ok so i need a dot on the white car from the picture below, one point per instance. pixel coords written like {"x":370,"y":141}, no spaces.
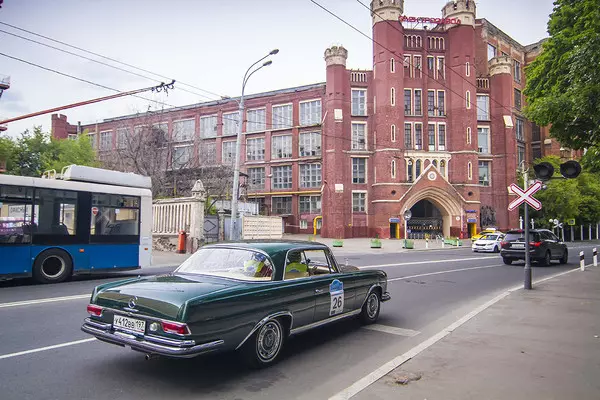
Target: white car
{"x":488,"y":243}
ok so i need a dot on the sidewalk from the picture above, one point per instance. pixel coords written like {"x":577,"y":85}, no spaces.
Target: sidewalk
{"x":537,"y":344}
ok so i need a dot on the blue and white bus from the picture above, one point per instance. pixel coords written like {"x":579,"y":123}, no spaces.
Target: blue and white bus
{"x":83,"y":220}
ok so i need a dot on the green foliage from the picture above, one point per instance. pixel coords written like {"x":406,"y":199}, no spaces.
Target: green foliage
{"x":67,"y":152}
{"x":591,"y":159}
{"x":563,"y":83}
{"x":7,"y":149}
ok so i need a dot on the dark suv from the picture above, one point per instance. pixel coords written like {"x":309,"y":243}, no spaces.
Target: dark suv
{"x":543,"y":246}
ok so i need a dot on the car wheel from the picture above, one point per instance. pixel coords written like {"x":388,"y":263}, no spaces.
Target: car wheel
{"x":546,"y":260}
{"x":496,"y":249}
{"x":52,"y":266}
{"x":265,"y":345}
{"x":371,"y":308}
{"x":565,"y":257}
{"x":507,"y":261}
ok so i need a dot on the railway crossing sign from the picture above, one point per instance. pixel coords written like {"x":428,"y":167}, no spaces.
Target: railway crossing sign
{"x":525,"y":196}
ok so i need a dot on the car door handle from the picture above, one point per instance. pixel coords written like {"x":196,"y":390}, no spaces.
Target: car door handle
{"x":319,"y":290}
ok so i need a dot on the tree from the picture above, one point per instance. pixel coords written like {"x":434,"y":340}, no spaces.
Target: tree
{"x":7,"y":149}
{"x":563,"y":82}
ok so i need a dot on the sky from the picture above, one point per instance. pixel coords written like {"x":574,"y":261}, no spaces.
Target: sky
{"x":208,"y":44}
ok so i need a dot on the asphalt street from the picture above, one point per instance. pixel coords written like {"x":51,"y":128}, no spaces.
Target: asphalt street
{"x":44,"y":355}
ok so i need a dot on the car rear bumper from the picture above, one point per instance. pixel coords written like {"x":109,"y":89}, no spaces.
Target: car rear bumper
{"x":520,"y":254}
{"x":149,"y":344}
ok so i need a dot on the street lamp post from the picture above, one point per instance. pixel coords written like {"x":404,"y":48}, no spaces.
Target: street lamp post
{"x":238,"y":145}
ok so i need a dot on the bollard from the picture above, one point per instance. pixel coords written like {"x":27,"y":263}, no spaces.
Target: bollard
{"x":426,"y":243}
{"x":181,"y":242}
{"x":581,"y":261}
{"x":595,"y":257}
{"x":443,"y":244}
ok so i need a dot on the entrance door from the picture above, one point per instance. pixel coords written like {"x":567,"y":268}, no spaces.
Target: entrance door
{"x":394,"y":230}
{"x":472,"y":229}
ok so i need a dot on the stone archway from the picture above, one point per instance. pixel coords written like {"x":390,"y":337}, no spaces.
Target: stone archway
{"x":446,"y":204}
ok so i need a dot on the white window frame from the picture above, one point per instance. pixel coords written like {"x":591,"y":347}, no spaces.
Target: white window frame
{"x":441,"y":59}
{"x":263,"y":178}
{"x":489,"y":134}
{"x":467,"y":99}
{"x":213,"y":129}
{"x":358,"y":111}
{"x":414,"y":102}
{"x":393,"y":169}
{"x":393,"y":97}
{"x":481,"y":110}
{"x":291,"y":201}
{"x":489,"y":172}
{"x":364,"y":200}
{"x":355,"y":145}
{"x":207,"y":156}
{"x":318,"y":207}
{"x":408,"y":113}
{"x":282,"y":122}
{"x":309,"y":166}
{"x":469,"y":135}
{"x":284,"y":149}
{"x":256,"y":126}
{"x":230,"y":120}
{"x":439,"y":146}
{"x":470,"y":171}
{"x":392,"y":65}
{"x":315,"y":147}
{"x":432,"y":146}
{"x":189,"y":150}
{"x":177,"y":137}
{"x":489,"y":48}
{"x":233,"y":152}
{"x":467,"y":69}
{"x":253,"y":151}
{"x":102,"y":142}
{"x":417,"y":146}
{"x":320,"y":113}
{"x":434,"y":102}
{"x":366,"y":170}
{"x":412,"y":133}
{"x":437,"y":103}
{"x":393,"y":133}
{"x":418,"y":66}
{"x":122,"y":138}
{"x":283,"y":168}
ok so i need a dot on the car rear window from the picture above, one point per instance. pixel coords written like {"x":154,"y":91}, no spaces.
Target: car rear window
{"x":520,"y":236}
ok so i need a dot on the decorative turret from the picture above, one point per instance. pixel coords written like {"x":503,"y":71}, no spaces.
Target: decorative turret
{"x":500,"y":65}
{"x":463,"y":10}
{"x":386,"y":10}
{"x":336,"y":55}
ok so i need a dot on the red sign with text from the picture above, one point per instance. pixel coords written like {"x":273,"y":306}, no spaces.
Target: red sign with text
{"x":404,"y":18}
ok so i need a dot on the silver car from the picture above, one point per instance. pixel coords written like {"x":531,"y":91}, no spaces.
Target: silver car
{"x":489,"y":243}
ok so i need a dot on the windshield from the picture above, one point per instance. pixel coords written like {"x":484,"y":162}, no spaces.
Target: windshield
{"x":490,"y":237}
{"x":226,"y":262}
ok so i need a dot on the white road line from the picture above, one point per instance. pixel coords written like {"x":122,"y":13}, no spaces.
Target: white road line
{"x":392,"y":329}
{"x":386,"y":368}
{"x":426,"y":262}
{"x":56,"y":346}
{"x":443,"y":272}
{"x":47,"y":300}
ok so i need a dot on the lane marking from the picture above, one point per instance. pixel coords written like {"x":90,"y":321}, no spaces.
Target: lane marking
{"x":444,"y":272}
{"x":47,"y":300}
{"x":386,"y":368}
{"x":427,"y":262}
{"x":56,"y":346}
{"x":392,"y":329}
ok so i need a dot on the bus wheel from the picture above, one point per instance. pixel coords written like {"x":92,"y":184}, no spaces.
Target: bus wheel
{"x":52,"y":266}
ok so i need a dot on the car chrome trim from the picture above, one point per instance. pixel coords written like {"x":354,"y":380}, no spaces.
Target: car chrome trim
{"x":143,"y":316}
{"x":151,"y":344}
{"x":264,"y":321}
{"x":304,"y":328}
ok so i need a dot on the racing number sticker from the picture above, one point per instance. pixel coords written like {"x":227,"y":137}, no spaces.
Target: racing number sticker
{"x":336,"y":292}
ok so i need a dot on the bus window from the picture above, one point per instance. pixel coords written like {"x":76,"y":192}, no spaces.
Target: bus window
{"x":15,"y":214}
{"x":115,"y":215}
{"x":55,"y":212}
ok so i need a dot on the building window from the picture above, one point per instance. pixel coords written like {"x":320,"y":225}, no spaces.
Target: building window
{"x":230,"y":123}
{"x":208,"y":126}
{"x":359,"y":102}
{"x":393,"y":133}
{"x":491,"y":51}
{"x":393,"y":169}
{"x":228,"y":153}
{"x":517,"y":99}
{"x":281,"y":205}
{"x":483,"y":139}
{"x":484,"y":173}
{"x":393,"y":96}
{"x":392,"y":65}
{"x":407,"y":73}
{"x":73,"y":136}
{"x":310,"y":175}
{"x":431,"y":103}
{"x":359,"y":202}
{"x":359,"y":168}
{"x":469,"y":171}
{"x":407,"y":136}
{"x":260,"y":201}
{"x":92,"y":138}
{"x":310,"y":112}
{"x":281,"y":147}
{"x":441,"y":68}
{"x":181,"y":157}
{"x":483,"y":107}
{"x":441,"y":137}
{"x":441,"y":105}
{"x":106,"y":140}
{"x":407,"y":102}
{"x":430,"y":64}
{"x":122,"y":138}
{"x":435,"y":163}
{"x":282,"y":177}
{"x":468,"y":99}
{"x":418,"y":102}
{"x":443,"y":168}
{"x":255,"y":149}
{"x":418,"y":136}
{"x":519,"y":129}
{"x":256,"y":120}
{"x":309,"y":144}
{"x":467,"y":69}
{"x":161,"y":132}
{"x":536,"y":151}
{"x":409,"y":171}
{"x":517,"y":71}
{"x":310,"y":204}
{"x":282,"y":117}
{"x":418,"y":66}
{"x":431,"y":137}
{"x":520,"y":154}
{"x":207,"y":153}
{"x":469,"y":136}
{"x":536,"y":133}
{"x":256,"y":178}
{"x":359,"y":136}
{"x":183,"y":130}
{"x":417,"y":169}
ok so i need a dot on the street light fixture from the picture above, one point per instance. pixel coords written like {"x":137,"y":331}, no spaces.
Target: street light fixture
{"x":238,"y":145}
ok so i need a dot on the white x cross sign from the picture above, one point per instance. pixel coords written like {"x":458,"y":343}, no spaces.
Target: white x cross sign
{"x":525,"y":196}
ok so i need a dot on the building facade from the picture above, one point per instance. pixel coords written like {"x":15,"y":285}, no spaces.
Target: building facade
{"x":435,"y":128}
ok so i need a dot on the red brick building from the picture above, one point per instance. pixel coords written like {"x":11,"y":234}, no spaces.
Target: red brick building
{"x":436,"y":127}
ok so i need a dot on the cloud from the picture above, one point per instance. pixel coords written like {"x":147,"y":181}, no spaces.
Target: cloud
{"x":13,"y":101}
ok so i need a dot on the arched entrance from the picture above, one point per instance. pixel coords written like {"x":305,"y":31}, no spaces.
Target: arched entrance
{"x":426,"y":220}
{"x":430,"y":206}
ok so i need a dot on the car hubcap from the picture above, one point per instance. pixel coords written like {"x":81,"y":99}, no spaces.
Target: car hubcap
{"x":52,"y":267}
{"x":372,"y":305}
{"x":269,"y":340}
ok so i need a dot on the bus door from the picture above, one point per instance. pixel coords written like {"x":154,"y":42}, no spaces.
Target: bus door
{"x":16,"y":229}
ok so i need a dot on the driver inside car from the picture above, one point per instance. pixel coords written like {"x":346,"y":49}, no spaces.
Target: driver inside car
{"x":295,"y":268}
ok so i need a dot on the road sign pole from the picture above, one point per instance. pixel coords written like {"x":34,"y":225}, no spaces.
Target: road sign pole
{"x":527,"y":283}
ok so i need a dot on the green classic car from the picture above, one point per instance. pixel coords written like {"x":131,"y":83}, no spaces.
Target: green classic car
{"x":248,"y":296}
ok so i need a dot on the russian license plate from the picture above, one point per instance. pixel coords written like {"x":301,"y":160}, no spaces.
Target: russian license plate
{"x":518,"y":245}
{"x":131,"y":324}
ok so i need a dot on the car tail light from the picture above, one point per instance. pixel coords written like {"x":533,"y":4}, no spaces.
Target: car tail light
{"x":94,"y":310}
{"x":175,"y":327}
{"x":535,"y":244}
{"x":504,"y":245}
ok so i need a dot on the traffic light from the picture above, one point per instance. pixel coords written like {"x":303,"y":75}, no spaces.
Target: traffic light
{"x":544,"y":171}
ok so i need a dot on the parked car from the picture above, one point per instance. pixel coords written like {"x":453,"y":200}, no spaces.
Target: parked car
{"x":486,"y":231}
{"x":544,"y":246}
{"x":488,"y":243}
{"x":248,"y":296}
